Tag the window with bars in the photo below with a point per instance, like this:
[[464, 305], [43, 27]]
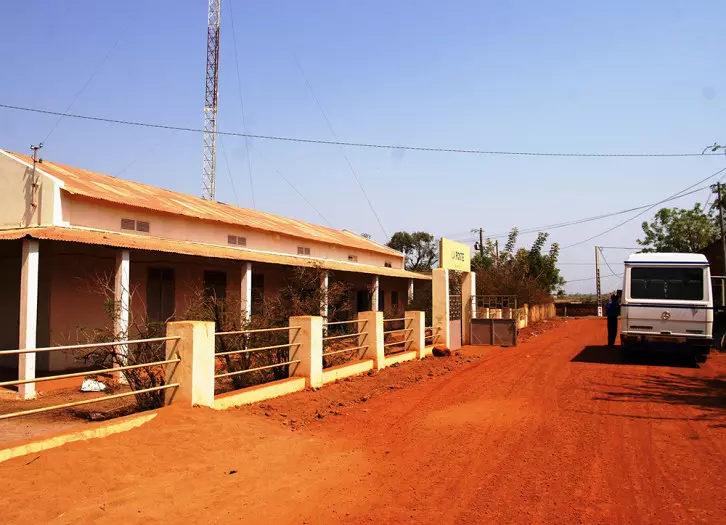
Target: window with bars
[[303, 250], [133, 225], [236, 241]]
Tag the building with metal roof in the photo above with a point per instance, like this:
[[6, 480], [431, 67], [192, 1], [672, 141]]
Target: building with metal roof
[[62, 226]]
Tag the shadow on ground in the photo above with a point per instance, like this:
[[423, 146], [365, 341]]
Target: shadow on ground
[[705, 393], [614, 355]]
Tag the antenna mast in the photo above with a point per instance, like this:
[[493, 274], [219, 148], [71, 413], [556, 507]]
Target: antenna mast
[[210, 101]]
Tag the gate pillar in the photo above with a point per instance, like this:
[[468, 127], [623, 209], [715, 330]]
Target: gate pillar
[[468, 305], [440, 306]]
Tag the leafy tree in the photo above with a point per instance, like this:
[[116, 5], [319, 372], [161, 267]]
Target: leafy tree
[[419, 248], [680, 230], [531, 275]]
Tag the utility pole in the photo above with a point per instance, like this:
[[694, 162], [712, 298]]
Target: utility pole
[[480, 245], [597, 281], [35, 184], [723, 244], [497, 247]]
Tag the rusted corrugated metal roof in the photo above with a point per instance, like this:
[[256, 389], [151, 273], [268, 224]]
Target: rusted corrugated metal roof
[[157, 244], [94, 185]]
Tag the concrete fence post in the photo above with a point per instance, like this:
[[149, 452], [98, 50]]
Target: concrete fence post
[[440, 305], [195, 372], [306, 339], [372, 336], [417, 325]]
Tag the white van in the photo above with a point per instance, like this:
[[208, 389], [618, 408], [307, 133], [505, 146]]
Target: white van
[[667, 302]]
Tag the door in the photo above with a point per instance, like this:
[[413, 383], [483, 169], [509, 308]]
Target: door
[[160, 295], [363, 301]]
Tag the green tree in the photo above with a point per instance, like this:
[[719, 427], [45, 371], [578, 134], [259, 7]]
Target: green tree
[[680, 230], [419, 248], [530, 274]]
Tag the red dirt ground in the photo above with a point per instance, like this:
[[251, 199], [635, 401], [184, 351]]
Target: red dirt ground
[[556, 430]]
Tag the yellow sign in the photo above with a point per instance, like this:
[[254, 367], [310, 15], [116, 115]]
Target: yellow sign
[[454, 255]]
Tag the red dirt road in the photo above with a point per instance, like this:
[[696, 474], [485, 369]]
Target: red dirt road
[[556, 430]]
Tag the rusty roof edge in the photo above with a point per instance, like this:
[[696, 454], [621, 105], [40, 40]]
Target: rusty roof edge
[[373, 246], [46, 233]]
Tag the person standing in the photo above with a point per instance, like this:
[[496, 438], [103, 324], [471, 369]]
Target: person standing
[[612, 310]]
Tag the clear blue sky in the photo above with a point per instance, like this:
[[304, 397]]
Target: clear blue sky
[[613, 77]]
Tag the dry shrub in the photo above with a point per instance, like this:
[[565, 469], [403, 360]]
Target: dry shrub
[[107, 357], [301, 294]]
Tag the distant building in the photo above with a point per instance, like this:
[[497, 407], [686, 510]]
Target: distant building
[[62, 226]]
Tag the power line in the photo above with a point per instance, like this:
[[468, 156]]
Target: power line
[[143, 154], [585, 220], [621, 247], [90, 78], [591, 278], [606, 261], [351, 144], [242, 104], [229, 172], [644, 211], [342, 148], [274, 168]]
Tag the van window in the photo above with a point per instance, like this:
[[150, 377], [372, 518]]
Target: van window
[[684, 284]]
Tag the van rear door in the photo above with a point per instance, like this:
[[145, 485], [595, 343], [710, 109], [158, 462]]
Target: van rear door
[[668, 300]]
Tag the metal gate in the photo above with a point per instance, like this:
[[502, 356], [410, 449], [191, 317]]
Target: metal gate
[[454, 322], [494, 320], [496, 332]]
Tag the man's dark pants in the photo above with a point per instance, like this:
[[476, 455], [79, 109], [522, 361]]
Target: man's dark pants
[[612, 329]]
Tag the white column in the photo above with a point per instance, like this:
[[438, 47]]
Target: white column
[[246, 291], [374, 296], [324, 300], [410, 291], [122, 300], [473, 295], [28, 315]]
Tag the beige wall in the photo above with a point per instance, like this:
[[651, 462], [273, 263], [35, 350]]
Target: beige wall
[[16, 196], [388, 285], [104, 216]]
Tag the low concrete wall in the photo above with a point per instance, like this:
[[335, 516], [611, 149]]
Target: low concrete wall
[[540, 312], [257, 393], [400, 358], [576, 309], [334, 373], [95, 431]]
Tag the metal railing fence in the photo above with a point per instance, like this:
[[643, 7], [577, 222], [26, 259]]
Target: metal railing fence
[[87, 373]]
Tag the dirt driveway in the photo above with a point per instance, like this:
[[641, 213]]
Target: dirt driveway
[[557, 430]]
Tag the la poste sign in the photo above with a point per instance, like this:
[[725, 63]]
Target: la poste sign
[[454, 255]]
